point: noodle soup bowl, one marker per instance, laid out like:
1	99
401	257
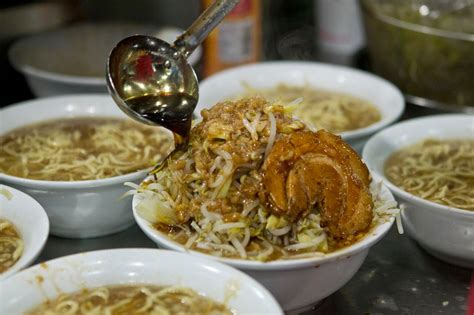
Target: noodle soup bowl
445	232
297	284
30	221
76	209
69	274
382	94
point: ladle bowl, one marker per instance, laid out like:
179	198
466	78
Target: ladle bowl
151	80
141	66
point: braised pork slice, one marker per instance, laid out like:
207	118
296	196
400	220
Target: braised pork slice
318	169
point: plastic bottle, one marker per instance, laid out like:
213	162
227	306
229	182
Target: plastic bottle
339	30
237	40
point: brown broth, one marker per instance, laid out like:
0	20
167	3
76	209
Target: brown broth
128	299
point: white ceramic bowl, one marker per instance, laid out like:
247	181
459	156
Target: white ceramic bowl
384	95
141	266
31	222
75	208
300	283
445	232
72	60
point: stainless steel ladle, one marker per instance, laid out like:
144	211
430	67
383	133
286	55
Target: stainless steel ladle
151	80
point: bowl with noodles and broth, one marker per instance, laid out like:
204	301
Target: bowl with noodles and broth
24	229
72	154
428	163
294	208
134	281
349	102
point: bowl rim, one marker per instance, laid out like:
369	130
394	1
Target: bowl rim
129	253
419	121
42	225
35	72
67	184
35	183
308	66
57	77
373	236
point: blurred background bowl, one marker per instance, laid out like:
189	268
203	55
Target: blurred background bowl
445	232
35	17
426	48
86	208
297	284
73	59
155	267
30	221
382	94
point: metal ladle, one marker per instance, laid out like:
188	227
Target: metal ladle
151	80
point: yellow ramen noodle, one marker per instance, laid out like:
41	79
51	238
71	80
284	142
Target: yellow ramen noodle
131	300
441	171
11	245
81	149
335	112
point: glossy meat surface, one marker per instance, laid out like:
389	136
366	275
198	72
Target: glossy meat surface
306	170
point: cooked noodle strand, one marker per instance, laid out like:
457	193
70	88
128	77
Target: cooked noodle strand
441	171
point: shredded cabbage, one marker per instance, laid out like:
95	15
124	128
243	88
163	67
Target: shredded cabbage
155	210
275	222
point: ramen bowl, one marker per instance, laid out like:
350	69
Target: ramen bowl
30	221
72	60
297	284
135	266
445	232
382	94
77	209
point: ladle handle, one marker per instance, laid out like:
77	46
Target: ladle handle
205	23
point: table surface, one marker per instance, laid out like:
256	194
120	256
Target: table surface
398	277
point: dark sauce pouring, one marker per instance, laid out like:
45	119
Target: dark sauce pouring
171	111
